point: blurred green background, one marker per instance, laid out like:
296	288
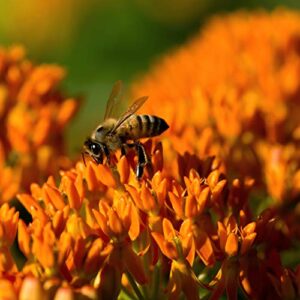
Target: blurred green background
99	42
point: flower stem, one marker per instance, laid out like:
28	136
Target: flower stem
156	283
134	286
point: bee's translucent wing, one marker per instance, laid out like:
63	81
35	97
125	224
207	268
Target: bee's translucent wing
130	111
113	99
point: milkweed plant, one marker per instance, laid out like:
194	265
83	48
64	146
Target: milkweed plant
216	217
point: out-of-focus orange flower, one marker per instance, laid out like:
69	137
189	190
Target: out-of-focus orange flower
8	229
233	92
281	166
33	115
22	287
235	88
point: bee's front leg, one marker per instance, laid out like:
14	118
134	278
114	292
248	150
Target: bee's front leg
107	154
98	159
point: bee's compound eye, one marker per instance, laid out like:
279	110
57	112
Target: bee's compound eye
95	148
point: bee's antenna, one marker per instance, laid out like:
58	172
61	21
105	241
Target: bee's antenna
83	157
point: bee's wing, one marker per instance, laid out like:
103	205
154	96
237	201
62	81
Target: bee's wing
113	99
130	111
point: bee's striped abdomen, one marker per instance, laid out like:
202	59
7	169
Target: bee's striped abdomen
151	125
142	126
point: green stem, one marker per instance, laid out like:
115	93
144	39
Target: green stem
134	286
128	294
178	248
156	283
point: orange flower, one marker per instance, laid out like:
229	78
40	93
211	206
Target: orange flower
8	229
34	113
201	194
199	222
7	290
9	183
180	250
231	97
85	244
236	243
170	244
120	223
182	280
234	239
95	228
20	287
281	165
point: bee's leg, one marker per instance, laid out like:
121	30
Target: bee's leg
107	154
98	159
123	149
142	159
83	157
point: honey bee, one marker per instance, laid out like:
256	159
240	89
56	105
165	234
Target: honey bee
123	133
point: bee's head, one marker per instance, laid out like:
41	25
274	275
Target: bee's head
94	149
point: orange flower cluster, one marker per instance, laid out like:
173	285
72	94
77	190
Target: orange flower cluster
199	224
33	116
237	92
101	233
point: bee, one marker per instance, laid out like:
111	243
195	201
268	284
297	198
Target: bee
123	133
